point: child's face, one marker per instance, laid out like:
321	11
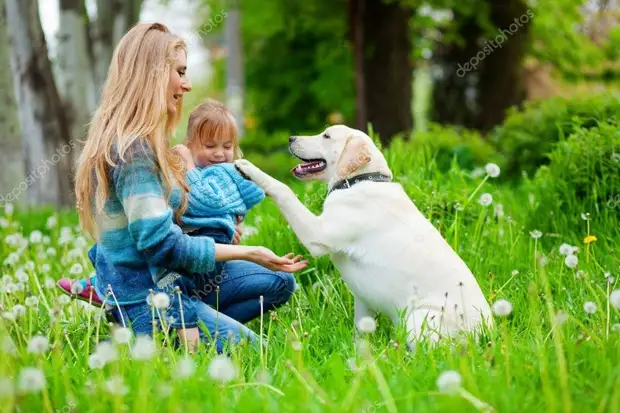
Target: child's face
211	152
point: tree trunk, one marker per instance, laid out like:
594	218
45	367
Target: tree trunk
388	69
481	80
75	80
356	38
11	157
235	85
44	127
114	19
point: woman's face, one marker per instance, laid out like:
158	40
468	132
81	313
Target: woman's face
179	82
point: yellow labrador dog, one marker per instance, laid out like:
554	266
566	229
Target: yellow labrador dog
391	257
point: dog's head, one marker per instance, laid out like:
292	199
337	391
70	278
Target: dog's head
337	153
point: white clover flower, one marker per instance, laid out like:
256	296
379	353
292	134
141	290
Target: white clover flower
367	325
144	348
36	237
571	261
95	361
19	310
589	307
492	170
121	335
185	368
161	300
614	299
106	351
502	308
115	385
485	199
222	369
8	209
31	380
52	221
32	301
38	345
536	234
449	382
76	269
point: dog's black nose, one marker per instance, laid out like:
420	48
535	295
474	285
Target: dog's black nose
292	139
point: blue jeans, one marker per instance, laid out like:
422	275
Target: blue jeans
221	312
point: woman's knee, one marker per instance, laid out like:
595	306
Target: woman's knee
285	290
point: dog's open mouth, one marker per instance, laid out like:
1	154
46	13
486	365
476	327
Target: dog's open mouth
309	167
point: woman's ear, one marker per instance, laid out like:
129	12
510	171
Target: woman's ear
354	155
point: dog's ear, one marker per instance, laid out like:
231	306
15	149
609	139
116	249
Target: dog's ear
355	154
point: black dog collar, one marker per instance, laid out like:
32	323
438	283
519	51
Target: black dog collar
348	183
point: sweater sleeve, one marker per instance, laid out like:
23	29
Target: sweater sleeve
150	219
209	194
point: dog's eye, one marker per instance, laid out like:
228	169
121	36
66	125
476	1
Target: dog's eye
326	136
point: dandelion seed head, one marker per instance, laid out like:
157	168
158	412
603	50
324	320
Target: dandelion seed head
514	273
561	317
571	261
492	170
122	335
502	308
19	310
536	234
52	221
9	316
222	369
367	325
64	300
36	237
614	299
8	346
449	381
485	199
185	368
263	376
567	249
165	390
161	300
38	345
77	288
107	351
95	361
115	385
144	348
45	268
76	269
589	307
31	380
49	283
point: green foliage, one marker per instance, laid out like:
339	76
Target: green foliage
527	135
584	172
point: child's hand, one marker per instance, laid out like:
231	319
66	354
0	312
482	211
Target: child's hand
185	154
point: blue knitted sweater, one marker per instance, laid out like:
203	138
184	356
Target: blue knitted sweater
139	242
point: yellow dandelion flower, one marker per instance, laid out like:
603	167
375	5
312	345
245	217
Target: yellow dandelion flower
589	239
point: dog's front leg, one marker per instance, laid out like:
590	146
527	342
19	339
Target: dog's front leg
306	225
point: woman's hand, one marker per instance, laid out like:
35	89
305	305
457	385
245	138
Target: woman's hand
185	154
268	259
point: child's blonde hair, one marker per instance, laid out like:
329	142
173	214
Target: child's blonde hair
212	121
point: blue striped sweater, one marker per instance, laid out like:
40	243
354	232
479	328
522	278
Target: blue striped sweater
139	242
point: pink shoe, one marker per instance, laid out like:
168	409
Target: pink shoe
88	294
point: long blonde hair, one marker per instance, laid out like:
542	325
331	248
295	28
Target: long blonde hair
212	121
133	107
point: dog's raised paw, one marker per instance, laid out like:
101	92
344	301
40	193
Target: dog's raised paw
244	167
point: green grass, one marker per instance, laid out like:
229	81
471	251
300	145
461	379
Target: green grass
528	363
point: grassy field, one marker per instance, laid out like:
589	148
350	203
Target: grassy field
557	350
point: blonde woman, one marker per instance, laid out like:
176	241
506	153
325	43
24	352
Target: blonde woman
131	193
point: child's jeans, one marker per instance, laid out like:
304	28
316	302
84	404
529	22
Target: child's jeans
221	313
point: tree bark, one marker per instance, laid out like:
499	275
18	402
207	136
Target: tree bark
388	69
76	83
478	97
356	39
11	157
44	127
